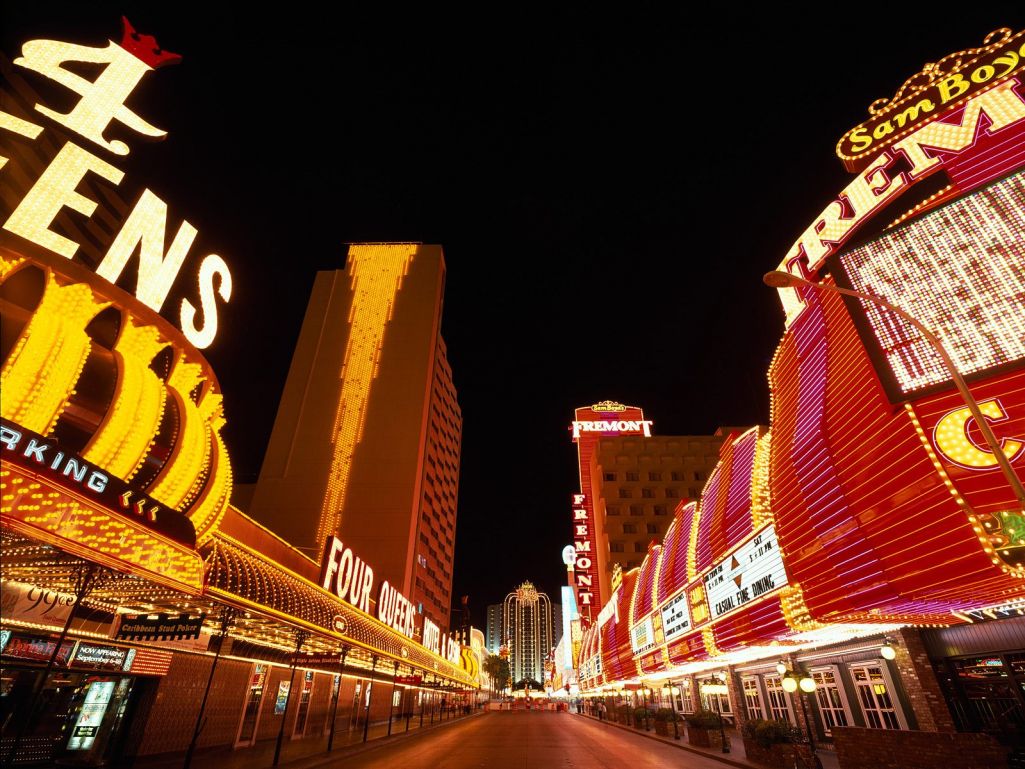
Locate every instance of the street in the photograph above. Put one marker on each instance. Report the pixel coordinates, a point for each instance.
(534, 739)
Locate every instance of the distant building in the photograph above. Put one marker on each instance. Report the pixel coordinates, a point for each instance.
(527, 621)
(367, 437)
(493, 631)
(631, 482)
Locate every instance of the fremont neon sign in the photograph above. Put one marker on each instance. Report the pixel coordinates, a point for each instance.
(613, 426)
(100, 103)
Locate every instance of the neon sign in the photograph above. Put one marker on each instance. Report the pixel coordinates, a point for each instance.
(585, 567)
(939, 86)
(880, 183)
(614, 427)
(346, 575)
(100, 103)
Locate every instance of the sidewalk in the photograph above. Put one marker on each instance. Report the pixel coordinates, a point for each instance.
(736, 756)
(304, 753)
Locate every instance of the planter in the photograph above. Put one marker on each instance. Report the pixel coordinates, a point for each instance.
(778, 756)
(662, 728)
(781, 755)
(704, 738)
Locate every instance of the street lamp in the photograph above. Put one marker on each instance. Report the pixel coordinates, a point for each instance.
(886, 651)
(792, 681)
(668, 690)
(719, 689)
(645, 693)
(780, 279)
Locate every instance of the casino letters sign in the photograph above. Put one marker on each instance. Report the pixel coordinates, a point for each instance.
(100, 106)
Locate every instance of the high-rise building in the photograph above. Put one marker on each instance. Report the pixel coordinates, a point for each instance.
(367, 437)
(494, 628)
(631, 481)
(527, 620)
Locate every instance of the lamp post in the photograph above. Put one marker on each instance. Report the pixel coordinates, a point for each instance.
(780, 279)
(793, 681)
(645, 693)
(717, 686)
(338, 692)
(672, 691)
(300, 639)
(227, 618)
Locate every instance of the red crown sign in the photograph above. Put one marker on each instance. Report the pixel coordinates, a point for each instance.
(145, 47)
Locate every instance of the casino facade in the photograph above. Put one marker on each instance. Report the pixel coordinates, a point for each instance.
(127, 573)
(869, 539)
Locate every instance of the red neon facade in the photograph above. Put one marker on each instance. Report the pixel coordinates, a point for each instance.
(878, 494)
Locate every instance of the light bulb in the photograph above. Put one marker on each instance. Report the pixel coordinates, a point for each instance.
(887, 651)
(781, 667)
(789, 684)
(808, 684)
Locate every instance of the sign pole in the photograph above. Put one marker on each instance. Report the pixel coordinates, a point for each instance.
(370, 693)
(300, 639)
(391, 705)
(227, 617)
(334, 708)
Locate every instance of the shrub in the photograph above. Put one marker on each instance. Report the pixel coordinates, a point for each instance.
(767, 733)
(703, 719)
(666, 714)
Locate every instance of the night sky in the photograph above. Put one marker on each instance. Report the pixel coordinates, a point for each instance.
(608, 191)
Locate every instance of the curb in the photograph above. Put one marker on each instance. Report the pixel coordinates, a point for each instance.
(673, 743)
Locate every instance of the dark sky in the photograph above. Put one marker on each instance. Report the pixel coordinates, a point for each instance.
(608, 190)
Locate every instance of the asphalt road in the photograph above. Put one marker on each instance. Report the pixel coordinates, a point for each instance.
(528, 740)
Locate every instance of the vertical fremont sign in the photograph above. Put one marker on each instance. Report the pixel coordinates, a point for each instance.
(606, 419)
(585, 568)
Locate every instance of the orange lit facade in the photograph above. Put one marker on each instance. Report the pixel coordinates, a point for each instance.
(115, 482)
(366, 441)
(872, 508)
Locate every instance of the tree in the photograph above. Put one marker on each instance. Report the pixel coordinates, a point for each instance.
(497, 669)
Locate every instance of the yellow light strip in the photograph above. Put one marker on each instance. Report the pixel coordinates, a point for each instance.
(123, 440)
(212, 505)
(39, 375)
(761, 501)
(193, 447)
(376, 278)
(795, 610)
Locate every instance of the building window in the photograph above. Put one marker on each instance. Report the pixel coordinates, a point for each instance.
(661, 510)
(676, 475)
(617, 547)
(612, 510)
(636, 509)
(830, 699)
(648, 493)
(652, 528)
(753, 698)
(778, 707)
(692, 492)
(653, 476)
(632, 476)
(624, 493)
(629, 528)
(610, 476)
(672, 493)
(697, 476)
(874, 695)
(640, 547)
